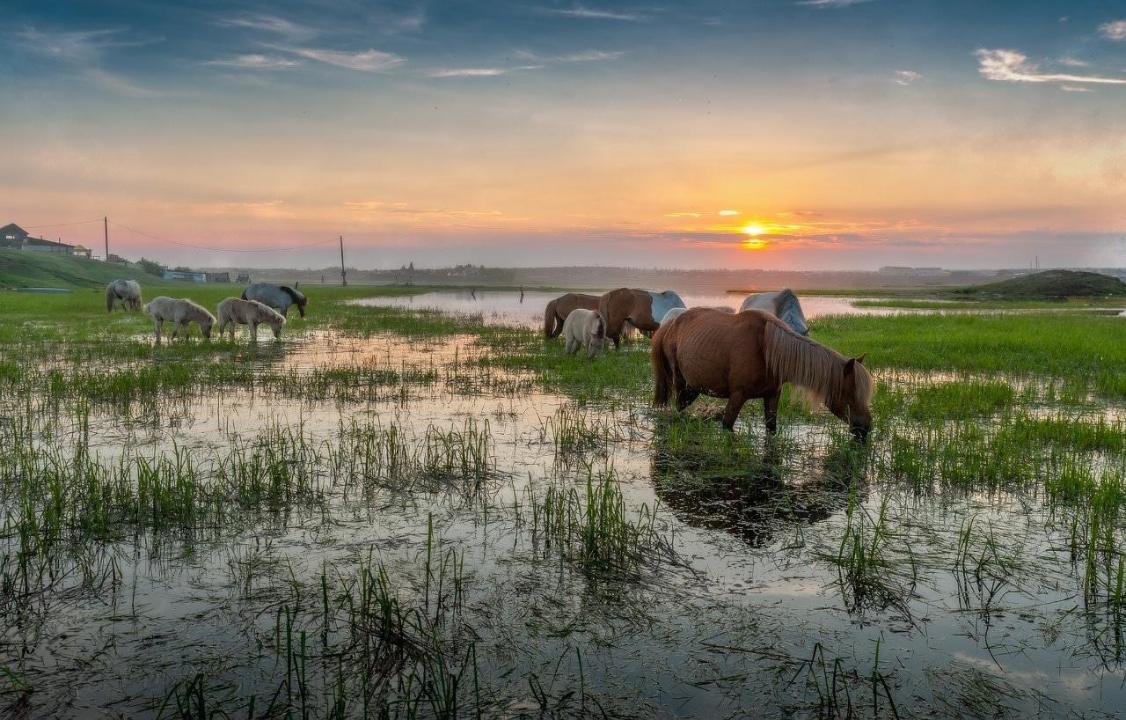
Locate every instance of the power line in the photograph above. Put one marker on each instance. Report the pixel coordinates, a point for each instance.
(221, 249)
(66, 224)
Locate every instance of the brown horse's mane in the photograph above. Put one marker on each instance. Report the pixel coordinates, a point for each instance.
(801, 361)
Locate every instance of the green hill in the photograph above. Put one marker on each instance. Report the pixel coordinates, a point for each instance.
(1048, 285)
(20, 268)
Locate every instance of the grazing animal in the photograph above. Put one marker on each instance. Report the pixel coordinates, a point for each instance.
(783, 305)
(125, 292)
(585, 328)
(678, 311)
(641, 308)
(236, 311)
(751, 354)
(556, 312)
(279, 297)
(180, 311)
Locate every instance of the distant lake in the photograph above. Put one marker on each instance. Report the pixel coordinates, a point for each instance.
(504, 307)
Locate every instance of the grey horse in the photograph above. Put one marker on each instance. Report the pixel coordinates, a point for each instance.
(125, 292)
(279, 297)
(783, 305)
(678, 311)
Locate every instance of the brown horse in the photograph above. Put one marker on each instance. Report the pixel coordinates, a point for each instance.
(558, 309)
(641, 308)
(751, 354)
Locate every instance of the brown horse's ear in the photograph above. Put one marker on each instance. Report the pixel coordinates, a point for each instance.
(850, 367)
(861, 358)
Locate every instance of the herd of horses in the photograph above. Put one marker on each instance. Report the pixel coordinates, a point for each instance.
(260, 304)
(737, 356)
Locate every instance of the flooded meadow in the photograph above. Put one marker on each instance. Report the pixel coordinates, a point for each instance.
(417, 507)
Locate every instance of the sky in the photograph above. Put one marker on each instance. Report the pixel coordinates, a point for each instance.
(778, 134)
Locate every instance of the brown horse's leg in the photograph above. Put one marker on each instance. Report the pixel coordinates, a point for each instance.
(770, 411)
(731, 412)
(685, 397)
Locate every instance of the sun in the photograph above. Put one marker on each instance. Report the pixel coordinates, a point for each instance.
(754, 241)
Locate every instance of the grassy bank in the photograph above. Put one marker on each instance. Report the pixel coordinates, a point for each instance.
(1084, 349)
(20, 268)
(1077, 304)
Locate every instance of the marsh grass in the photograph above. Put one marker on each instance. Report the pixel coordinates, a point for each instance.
(61, 498)
(372, 455)
(60, 501)
(984, 567)
(968, 691)
(960, 399)
(593, 529)
(842, 692)
(576, 432)
(359, 641)
(869, 574)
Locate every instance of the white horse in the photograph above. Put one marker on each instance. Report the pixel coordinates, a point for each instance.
(584, 328)
(783, 305)
(180, 311)
(234, 311)
(126, 292)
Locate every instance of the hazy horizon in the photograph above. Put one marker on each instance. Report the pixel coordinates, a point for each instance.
(782, 135)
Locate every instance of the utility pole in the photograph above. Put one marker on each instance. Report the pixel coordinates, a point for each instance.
(105, 233)
(343, 272)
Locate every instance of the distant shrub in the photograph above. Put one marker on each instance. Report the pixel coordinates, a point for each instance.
(151, 266)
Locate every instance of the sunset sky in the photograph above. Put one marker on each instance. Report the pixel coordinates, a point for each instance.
(786, 134)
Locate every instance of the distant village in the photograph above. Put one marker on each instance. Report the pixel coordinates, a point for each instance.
(14, 237)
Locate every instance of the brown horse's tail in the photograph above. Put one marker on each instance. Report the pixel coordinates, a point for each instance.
(662, 372)
(551, 325)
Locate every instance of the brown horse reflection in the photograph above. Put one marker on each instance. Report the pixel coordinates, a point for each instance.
(748, 493)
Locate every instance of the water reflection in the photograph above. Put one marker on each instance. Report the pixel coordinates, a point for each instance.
(716, 480)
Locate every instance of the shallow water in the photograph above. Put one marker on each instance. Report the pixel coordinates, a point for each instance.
(748, 615)
(504, 307)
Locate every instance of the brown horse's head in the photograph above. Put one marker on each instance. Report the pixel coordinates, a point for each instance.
(851, 401)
